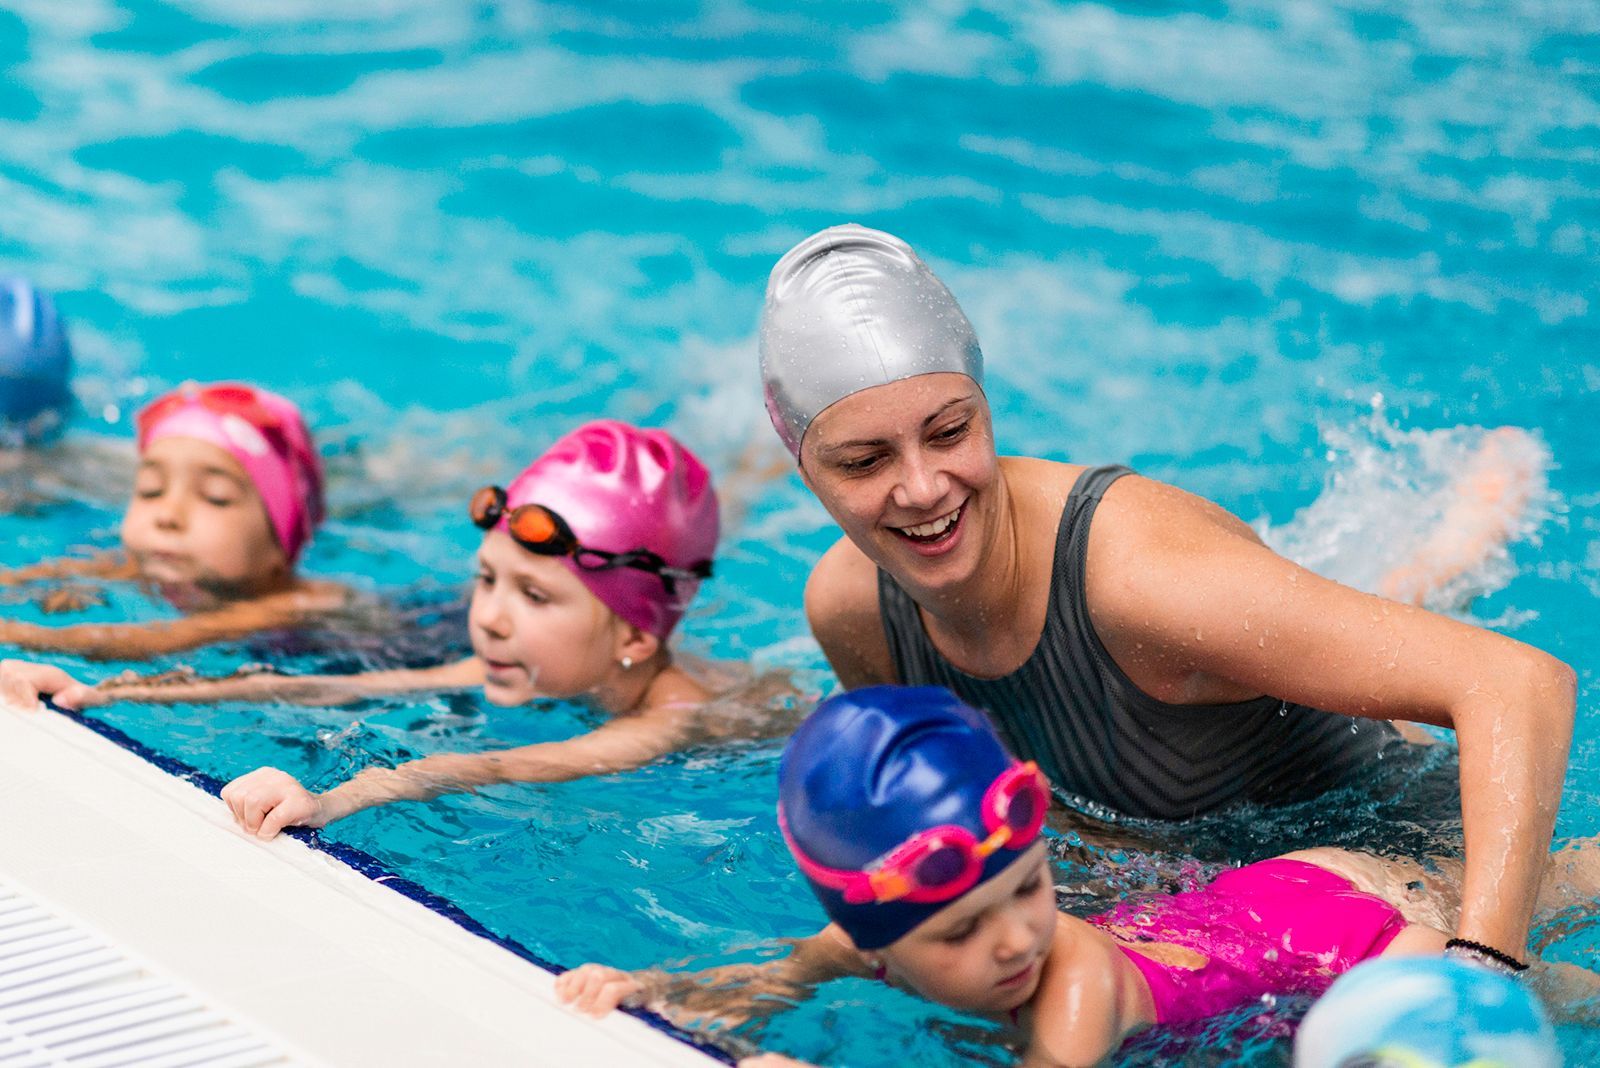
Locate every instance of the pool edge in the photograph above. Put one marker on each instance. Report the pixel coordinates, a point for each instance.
(340, 968)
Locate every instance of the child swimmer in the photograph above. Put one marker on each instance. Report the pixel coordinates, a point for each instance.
(227, 494)
(588, 561)
(919, 834)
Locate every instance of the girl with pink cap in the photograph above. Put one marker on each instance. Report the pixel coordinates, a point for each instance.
(227, 494)
(587, 563)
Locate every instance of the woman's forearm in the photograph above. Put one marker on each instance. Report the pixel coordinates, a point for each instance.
(1513, 737)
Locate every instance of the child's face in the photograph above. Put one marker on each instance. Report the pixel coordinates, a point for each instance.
(195, 519)
(985, 951)
(537, 629)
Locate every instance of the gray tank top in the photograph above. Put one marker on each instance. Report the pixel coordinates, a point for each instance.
(1098, 736)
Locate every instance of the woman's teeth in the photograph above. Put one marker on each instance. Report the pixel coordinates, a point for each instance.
(933, 529)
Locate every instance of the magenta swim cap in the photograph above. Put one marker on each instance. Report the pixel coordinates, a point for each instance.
(265, 433)
(622, 489)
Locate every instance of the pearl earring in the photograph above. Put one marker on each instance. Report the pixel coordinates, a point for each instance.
(626, 662)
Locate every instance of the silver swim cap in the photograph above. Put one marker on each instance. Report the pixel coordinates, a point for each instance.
(851, 308)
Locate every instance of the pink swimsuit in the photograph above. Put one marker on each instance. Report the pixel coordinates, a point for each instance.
(1276, 927)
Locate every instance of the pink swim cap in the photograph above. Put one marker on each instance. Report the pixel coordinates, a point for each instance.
(622, 489)
(265, 433)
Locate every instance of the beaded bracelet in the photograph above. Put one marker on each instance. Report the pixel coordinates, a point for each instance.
(1488, 956)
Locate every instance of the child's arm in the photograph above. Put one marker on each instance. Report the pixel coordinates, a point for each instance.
(139, 641)
(101, 565)
(23, 683)
(727, 995)
(267, 800)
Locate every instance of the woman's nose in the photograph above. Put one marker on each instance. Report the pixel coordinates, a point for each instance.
(922, 484)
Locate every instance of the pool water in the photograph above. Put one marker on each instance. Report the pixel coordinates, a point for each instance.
(1275, 253)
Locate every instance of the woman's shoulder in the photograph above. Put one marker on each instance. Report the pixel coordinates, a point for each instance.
(844, 582)
(841, 605)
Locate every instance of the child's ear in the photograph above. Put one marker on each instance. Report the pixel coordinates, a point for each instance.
(634, 644)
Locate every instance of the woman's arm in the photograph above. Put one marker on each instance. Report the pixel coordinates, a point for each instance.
(728, 995)
(23, 683)
(1193, 606)
(140, 641)
(267, 800)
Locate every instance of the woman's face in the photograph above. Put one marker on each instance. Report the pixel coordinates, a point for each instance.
(908, 471)
(537, 629)
(196, 519)
(985, 951)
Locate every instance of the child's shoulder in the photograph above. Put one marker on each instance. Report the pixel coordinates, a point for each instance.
(1089, 998)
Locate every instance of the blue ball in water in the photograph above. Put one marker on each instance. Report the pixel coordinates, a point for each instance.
(1425, 1012)
(35, 363)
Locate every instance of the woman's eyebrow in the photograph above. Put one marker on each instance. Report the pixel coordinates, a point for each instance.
(861, 443)
(945, 407)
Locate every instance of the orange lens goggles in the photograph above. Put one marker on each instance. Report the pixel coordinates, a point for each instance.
(541, 530)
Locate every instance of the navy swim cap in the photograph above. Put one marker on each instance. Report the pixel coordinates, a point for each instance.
(35, 361)
(869, 769)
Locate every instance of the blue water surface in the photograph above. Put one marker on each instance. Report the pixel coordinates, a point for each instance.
(1264, 250)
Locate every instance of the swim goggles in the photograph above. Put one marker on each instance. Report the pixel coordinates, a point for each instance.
(225, 399)
(943, 862)
(541, 530)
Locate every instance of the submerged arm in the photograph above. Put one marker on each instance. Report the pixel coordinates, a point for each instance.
(726, 995)
(101, 565)
(23, 683)
(139, 641)
(295, 689)
(268, 800)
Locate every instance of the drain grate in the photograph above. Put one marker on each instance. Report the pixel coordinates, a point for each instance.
(68, 999)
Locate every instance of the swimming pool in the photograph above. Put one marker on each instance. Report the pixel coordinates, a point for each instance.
(1202, 238)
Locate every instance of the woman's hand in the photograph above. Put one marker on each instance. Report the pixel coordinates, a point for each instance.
(24, 683)
(772, 1060)
(595, 989)
(267, 800)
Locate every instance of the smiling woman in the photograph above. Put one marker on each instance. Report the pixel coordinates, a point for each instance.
(1141, 644)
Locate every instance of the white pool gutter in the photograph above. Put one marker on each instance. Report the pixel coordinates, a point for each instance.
(281, 950)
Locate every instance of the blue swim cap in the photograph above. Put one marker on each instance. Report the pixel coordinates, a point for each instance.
(871, 768)
(35, 361)
(1425, 1012)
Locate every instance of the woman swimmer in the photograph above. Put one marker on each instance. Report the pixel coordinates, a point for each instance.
(920, 836)
(227, 494)
(587, 563)
(1140, 644)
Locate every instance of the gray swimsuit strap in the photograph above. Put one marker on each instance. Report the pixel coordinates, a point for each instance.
(1101, 738)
